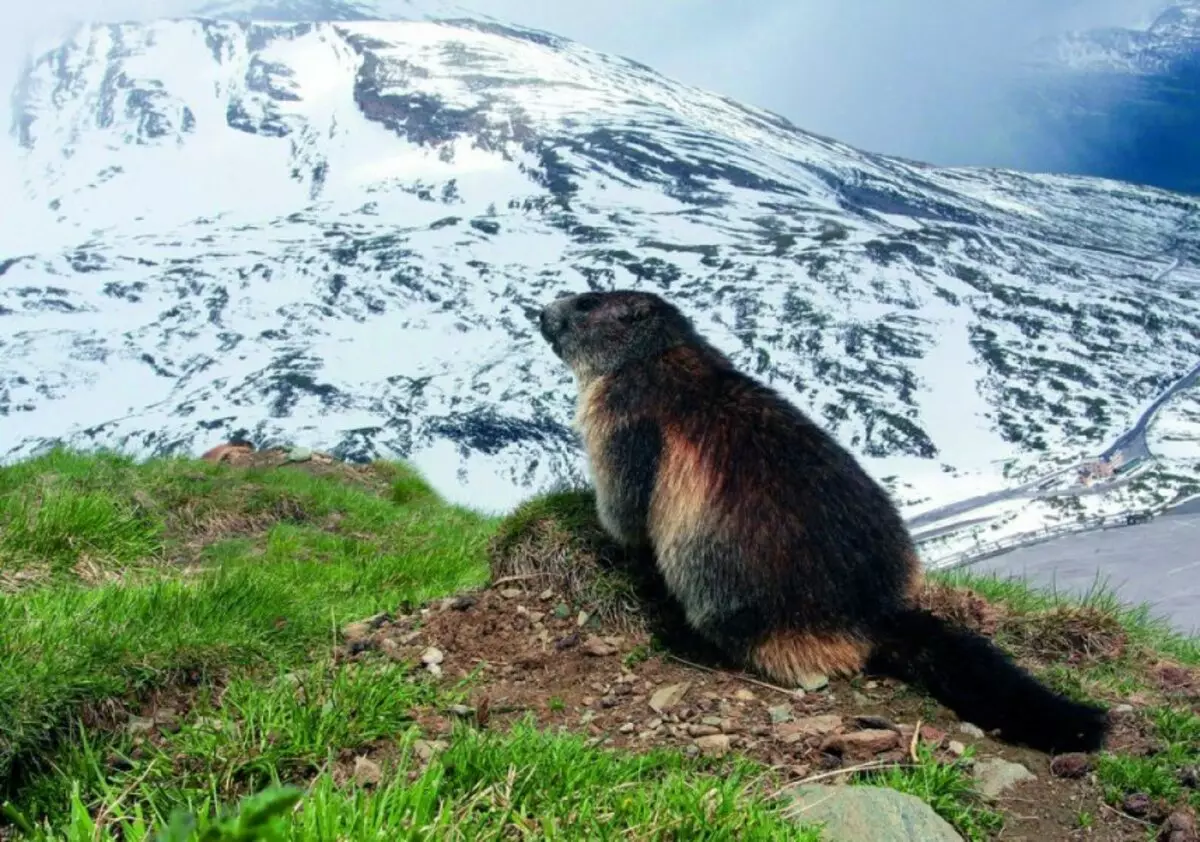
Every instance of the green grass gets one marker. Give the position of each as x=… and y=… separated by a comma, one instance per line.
x=1159, y=774
x=264, y=599
x=1143, y=627
x=948, y=788
x=226, y=587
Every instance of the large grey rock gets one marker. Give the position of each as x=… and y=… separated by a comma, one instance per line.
x=861, y=813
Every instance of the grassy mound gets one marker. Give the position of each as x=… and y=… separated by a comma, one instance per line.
x=556, y=542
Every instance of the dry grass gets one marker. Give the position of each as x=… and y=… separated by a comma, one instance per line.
x=556, y=542
x=962, y=606
x=1072, y=634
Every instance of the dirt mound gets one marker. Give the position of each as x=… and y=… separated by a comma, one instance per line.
x=556, y=542
x=531, y=652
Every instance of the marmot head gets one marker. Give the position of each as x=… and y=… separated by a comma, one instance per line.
x=598, y=332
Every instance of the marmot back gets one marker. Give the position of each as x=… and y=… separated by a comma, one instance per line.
x=780, y=547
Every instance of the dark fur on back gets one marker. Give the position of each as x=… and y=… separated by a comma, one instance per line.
x=779, y=546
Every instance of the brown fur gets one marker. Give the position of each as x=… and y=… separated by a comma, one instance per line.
x=780, y=548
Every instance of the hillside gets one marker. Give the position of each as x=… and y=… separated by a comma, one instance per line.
x=333, y=232
x=334, y=646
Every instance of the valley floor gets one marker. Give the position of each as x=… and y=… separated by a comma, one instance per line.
x=323, y=649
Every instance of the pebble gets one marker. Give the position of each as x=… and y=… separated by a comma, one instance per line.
x=546, y=595
x=744, y=695
x=956, y=748
x=780, y=713
x=426, y=749
x=434, y=669
x=668, y=697
x=714, y=745
x=1074, y=765
x=812, y=726
x=627, y=728
x=598, y=648
x=1136, y=805
x=366, y=772
x=971, y=730
x=861, y=744
x=511, y=593
x=812, y=682
x=703, y=730
x=300, y=454
x=432, y=655
x=996, y=775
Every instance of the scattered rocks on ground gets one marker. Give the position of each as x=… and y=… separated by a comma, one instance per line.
x=997, y=775
x=971, y=730
x=600, y=648
x=809, y=726
x=367, y=772
x=860, y=813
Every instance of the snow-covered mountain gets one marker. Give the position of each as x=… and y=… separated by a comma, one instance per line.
x=335, y=232
x=1120, y=102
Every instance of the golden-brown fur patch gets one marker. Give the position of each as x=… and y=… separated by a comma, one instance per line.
x=787, y=655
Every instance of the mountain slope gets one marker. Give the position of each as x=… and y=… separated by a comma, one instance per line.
x=335, y=233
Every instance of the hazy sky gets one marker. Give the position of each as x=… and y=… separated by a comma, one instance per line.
x=920, y=78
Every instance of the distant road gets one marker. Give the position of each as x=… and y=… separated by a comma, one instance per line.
x=1157, y=563
x=1132, y=444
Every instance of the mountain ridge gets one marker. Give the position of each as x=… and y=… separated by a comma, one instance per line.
x=382, y=204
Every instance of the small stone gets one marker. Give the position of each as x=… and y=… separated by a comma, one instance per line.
x=971, y=730
x=299, y=454
x=609, y=701
x=881, y=723
x=356, y=631
x=432, y=655
x=811, y=682
x=1137, y=804
x=714, y=745
x=1074, y=765
x=654, y=724
x=567, y=641
x=730, y=726
x=744, y=695
x=1180, y=826
x=586, y=717
x=627, y=728
x=668, y=697
x=546, y=595
x=582, y=619
x=426, y=749
x=598, y=648
x=811, y=726
x=511, y=593
x=931, y=735
x=861, y=745
x=780, y=713
x=140, y=725
x=561, y=611
x=956, y=748
x=996, y=775
x=460, y=710
x=702, y=730
x=1121, y=710
x=462, y=603
x=872, y=685
x=391, y=648
x=434, y=669
x=366, y=772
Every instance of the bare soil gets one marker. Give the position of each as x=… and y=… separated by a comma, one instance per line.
x=536, y=656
